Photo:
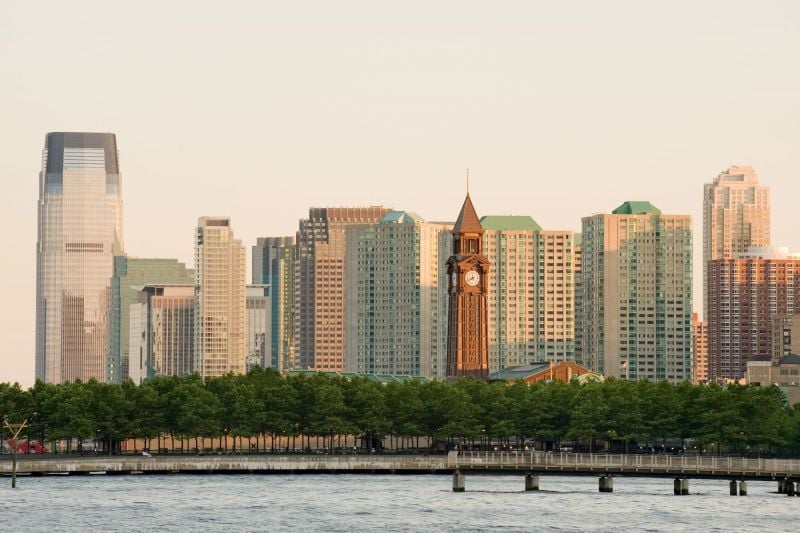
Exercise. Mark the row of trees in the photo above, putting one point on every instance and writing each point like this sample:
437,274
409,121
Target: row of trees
264,403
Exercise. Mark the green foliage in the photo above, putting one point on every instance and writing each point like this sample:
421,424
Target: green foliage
734,419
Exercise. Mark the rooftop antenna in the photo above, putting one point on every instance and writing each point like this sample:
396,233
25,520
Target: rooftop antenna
467,182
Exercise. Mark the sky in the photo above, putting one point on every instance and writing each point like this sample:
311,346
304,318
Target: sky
259,110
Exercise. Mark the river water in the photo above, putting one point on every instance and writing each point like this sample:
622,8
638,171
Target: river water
232,503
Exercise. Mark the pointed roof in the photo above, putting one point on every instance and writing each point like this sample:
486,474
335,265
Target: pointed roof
468,221
632,207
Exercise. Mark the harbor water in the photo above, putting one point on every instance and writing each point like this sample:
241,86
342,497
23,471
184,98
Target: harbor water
384,503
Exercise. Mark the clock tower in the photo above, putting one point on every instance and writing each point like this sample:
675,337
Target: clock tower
467,330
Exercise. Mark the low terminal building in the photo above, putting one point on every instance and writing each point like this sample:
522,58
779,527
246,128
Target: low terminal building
783,372
564,371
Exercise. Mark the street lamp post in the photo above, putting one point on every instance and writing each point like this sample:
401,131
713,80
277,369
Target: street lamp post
15,430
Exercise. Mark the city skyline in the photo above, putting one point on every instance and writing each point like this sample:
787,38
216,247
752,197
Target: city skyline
371,107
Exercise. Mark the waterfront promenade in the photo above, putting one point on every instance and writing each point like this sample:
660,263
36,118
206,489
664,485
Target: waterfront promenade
467,463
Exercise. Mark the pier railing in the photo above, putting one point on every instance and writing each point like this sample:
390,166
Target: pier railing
623,463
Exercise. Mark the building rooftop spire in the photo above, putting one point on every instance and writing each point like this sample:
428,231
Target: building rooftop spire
468,221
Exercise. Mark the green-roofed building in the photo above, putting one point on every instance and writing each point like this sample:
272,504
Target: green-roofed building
395,314
634,301
635,207
531,291
509,222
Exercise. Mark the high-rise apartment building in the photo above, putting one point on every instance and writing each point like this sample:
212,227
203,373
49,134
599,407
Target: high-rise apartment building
130,275
745,294
274,265
161,332
220,312
636,294
509,243
736,216
557,260
80,232
531,292
393,323
320,284
699,350
259,327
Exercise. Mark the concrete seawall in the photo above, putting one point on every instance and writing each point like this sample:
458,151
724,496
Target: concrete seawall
230,464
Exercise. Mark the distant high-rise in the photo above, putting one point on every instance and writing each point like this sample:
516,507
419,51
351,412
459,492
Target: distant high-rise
274,265
80,232
220,288
699,350
736,216
509,243
745,294
393,323
130,275
320,284
531,292
635,294
161,332
259,322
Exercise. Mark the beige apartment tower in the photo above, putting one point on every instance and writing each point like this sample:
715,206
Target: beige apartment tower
220,312
736,216
321,285
531,292
635,294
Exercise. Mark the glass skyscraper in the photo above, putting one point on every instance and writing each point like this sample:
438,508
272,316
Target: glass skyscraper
80,232
273,265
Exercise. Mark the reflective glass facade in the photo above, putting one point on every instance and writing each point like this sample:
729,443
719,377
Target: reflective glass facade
80,231
273,265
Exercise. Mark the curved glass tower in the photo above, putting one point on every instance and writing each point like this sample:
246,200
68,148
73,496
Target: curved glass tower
80,231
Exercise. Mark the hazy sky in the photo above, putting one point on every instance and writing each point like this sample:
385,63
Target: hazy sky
259,110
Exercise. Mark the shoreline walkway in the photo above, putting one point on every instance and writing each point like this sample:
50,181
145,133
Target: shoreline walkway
531,465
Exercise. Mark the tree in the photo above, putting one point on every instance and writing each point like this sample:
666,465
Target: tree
624,414
366,408
589,413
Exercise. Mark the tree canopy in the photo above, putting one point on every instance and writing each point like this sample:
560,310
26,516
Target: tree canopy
719,419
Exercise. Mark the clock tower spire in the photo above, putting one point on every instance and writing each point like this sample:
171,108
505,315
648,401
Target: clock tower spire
467,330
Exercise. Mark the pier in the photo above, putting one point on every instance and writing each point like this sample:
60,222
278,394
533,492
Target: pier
531,466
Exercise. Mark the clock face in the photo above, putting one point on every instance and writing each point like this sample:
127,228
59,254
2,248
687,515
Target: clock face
472,278
454,277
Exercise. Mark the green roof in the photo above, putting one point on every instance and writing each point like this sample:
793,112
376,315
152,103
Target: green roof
518,372
401,217
509,222
637,208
